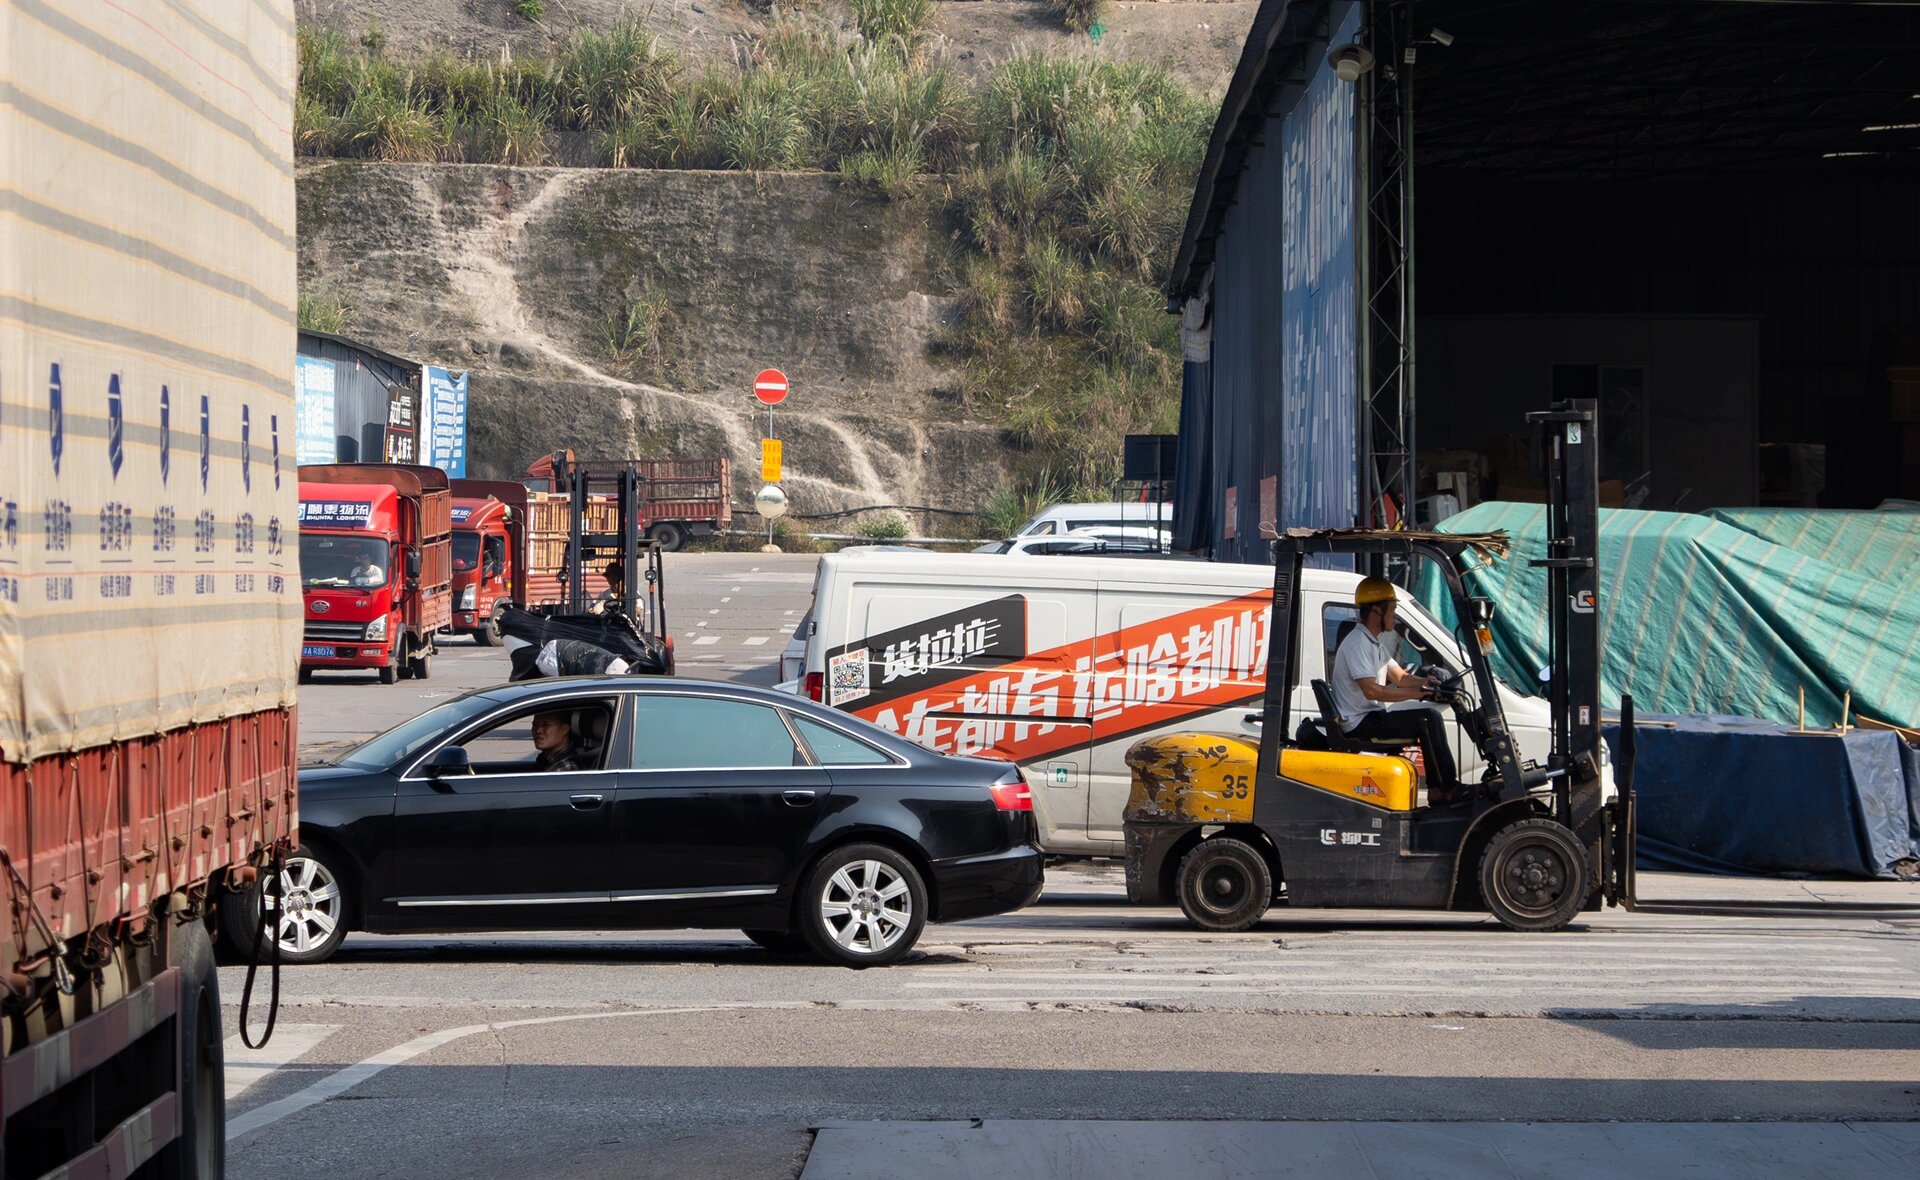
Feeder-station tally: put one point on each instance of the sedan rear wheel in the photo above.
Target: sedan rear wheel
(864, 906)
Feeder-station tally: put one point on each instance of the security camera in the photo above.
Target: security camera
(1441, 37)
(1349, 62)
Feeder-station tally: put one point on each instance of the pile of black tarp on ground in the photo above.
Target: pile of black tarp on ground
(1736, 795)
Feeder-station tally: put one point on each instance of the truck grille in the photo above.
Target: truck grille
(335, 632)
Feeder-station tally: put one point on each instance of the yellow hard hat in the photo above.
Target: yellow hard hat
(1372, 590)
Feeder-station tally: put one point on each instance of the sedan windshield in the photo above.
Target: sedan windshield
(406, 739)
(333, 560)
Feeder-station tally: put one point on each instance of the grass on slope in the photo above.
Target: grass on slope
(1065, 183)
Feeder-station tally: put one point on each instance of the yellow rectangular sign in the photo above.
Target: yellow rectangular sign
(769, 460)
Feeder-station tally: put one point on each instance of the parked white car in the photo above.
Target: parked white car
(1115, 538)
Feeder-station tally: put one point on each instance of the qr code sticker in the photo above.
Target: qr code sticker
(847, 677)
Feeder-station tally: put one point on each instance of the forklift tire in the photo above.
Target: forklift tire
(1535, 876)
(1224, 885)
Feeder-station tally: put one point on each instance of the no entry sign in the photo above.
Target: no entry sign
(770, 386)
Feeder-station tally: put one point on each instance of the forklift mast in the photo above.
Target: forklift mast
(622, 545)
(1569, 446)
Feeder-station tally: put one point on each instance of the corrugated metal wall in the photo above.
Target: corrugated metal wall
(365, 390)
(1832, 268)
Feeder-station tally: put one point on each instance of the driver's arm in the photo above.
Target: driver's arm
(1401, 685)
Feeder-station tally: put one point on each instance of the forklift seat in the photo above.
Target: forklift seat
(1334, 731)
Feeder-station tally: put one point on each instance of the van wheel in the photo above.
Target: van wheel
(1224, 885)
(1534, 875)
(668, 535)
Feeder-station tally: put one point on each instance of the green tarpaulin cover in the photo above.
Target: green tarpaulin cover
(1731, 612)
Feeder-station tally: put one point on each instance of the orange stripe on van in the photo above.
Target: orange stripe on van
(1091, 691)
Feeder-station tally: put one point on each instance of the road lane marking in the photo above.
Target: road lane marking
(723, 598)
(246, 1067)
(340, 1081)
(705, 639)
(754, 640)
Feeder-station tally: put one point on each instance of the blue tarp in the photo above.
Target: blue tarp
(1736, 795)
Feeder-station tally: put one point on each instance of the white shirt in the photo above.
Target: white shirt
(1363, 656)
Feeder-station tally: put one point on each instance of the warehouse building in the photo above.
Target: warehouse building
(1417, 221)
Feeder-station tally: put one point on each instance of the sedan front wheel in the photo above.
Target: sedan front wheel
(863, 906)
(312, 919)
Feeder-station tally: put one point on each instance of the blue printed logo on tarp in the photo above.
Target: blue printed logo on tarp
(56, 419)
(116, 426)
(206, 439)
(246, 447)
(166, 433)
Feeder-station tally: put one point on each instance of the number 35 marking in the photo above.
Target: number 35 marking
(1233, 786)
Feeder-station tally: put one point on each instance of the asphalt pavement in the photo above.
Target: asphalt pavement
(1727, 1027)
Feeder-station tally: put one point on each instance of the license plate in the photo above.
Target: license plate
(316, 653)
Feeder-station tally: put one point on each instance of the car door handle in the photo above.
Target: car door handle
(799, 798)
(584, 802)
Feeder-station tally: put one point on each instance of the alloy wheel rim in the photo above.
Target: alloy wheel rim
(866, 907)
(309, 905)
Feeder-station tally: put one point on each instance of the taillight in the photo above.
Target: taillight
(1012, 794)
(816, 683)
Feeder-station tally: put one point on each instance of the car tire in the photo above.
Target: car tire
(849, 906)
(1224, 885)
(316, 898)
(1535, 876)
(669, 536)
(199, 1153)
(306, 675)
(780, 942)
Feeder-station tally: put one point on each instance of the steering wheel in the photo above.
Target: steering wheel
(1445, 682)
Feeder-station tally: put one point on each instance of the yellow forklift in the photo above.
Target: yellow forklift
(1314, 818)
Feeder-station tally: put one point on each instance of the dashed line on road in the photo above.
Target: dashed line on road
(754, 640)
(706, 639)
(246, 1067)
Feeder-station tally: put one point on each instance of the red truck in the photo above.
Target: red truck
(149, 592)
(681, 498)
(489, 555)
(376, 562)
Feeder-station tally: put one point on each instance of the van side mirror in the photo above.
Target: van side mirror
(448, 761)
(1482, 610)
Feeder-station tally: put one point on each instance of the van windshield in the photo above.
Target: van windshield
(331, 560)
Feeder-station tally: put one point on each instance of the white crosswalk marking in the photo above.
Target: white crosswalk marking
(246, 1067)
(705, 639)
(754, 640)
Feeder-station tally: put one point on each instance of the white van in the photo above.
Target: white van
(1114, 514)
(1060, 666)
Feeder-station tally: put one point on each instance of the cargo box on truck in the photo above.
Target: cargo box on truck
(680, 498)
(376, 562)
(149, 587)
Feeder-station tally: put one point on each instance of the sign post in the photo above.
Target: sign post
(770, 386)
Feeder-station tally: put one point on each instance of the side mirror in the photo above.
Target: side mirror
(1482, 610)
(413, 564)
(448, 761)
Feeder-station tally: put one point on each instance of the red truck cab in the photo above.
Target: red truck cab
(489, 555)
(376, 566)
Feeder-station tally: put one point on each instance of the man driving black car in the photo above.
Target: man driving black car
(553, 737)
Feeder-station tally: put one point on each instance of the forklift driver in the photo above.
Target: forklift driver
(1375, 693)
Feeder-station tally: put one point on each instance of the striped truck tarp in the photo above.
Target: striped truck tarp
(149, 568)
(1734, 612)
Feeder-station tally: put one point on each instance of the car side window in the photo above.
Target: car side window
(709, 733)
(834, 748)
(1336, 617)
(575, 732)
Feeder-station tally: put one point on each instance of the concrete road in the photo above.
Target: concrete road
(697, 1054)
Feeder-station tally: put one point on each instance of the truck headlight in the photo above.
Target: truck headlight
(378, 628)
(469, 597)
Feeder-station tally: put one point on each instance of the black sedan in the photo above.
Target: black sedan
(616, 803)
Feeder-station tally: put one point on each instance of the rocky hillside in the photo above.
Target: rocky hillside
(941, 334)
(515, 274)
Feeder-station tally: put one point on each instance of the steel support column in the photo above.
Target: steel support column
(1387, 258)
